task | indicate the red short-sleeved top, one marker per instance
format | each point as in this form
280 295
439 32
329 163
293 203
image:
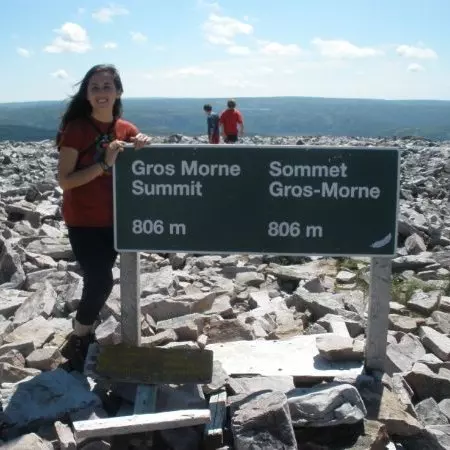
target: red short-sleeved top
230 119
91 205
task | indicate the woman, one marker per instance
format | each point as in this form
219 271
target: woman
91 136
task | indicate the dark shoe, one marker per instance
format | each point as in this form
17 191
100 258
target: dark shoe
75 351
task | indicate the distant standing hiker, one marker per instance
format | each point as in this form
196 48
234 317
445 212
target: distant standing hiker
212 122
91 136
231 120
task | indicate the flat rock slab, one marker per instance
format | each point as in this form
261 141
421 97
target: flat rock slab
38 330
436 342
53 247
10 301
298 357
307 271
28 441
44 399
441 434
340 348
328 404
262 422
258 384
424 302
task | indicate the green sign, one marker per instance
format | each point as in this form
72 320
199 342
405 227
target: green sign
285 200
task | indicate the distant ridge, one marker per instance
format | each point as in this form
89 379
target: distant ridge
275 116
24 133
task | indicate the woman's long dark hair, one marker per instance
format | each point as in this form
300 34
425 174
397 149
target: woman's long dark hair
79 105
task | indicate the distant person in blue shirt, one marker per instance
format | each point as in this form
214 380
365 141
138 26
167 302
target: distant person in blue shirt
212 121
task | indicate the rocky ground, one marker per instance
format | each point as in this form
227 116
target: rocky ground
257 297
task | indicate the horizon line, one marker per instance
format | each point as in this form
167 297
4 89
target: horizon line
209 98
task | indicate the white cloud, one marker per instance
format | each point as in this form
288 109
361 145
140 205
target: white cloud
409 51
234 72
61 74
238 50
257 70
340 49
110 45
221 30
72 38
189 71
414 67
106 14
239 83
238 76
136 36
277 49
214 6
23 52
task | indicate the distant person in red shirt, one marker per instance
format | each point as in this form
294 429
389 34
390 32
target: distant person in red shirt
92 134
232 123
212 122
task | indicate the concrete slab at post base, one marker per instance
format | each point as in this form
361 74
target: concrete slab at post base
297 357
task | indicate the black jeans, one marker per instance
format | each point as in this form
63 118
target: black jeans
94 250
231 138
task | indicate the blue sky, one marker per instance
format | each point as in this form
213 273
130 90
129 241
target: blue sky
393 49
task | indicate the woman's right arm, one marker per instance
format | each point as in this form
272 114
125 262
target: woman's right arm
68 177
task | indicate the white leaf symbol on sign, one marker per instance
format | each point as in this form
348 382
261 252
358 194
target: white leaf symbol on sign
382 242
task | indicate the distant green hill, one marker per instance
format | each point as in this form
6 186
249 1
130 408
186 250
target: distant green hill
276 116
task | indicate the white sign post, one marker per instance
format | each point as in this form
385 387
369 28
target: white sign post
130 295
378 313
